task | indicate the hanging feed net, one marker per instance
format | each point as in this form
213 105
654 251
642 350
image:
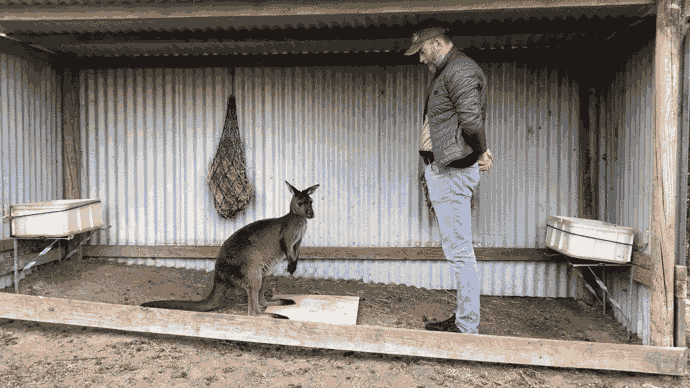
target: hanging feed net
228 174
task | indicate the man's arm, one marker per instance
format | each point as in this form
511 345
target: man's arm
466 91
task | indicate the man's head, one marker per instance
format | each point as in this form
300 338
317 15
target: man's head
432 45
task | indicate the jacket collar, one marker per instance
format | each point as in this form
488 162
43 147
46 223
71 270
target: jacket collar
452 54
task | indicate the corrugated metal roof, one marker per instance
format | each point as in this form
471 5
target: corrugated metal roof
33 22
92 30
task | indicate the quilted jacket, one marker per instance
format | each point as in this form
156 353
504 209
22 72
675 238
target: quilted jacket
456 109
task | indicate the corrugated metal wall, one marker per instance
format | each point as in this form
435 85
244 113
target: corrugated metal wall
626 141
148 139
150 136
352 130
497 278
635 304
30 144
626 122
532 128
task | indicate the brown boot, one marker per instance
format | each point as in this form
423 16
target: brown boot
447 325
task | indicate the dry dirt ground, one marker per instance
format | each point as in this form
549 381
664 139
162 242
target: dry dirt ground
51 355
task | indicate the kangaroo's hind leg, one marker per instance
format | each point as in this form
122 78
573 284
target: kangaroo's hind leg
263 302
254 289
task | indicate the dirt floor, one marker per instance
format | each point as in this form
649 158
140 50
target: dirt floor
50 355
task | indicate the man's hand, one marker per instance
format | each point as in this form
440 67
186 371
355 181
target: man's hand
486 160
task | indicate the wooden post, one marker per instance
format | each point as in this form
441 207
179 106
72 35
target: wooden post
16 269
71 139
71 150
589 154
681 290
585 194
663 244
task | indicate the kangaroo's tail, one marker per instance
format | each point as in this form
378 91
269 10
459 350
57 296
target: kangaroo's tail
210 302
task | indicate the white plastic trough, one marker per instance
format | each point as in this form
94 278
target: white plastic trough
590 239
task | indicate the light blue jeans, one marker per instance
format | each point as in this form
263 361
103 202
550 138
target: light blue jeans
450 191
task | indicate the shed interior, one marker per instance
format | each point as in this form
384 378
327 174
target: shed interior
586 73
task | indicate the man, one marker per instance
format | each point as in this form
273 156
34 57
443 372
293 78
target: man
453 147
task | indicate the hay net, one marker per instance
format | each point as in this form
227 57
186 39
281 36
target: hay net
230 187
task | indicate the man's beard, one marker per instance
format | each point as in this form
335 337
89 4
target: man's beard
432 68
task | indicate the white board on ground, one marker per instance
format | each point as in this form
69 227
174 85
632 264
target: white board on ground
333 309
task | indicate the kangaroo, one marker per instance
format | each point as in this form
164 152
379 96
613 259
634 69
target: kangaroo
249 253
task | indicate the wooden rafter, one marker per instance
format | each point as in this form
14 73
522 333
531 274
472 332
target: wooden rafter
282 9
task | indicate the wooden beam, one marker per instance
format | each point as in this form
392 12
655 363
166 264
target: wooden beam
25 51
264 10
664 233
189 252
6 244
178 47
681 291
71 144
642 260
642 273
644 268
7 264
643 276
291 43
369 339
588 170
158 47
338 253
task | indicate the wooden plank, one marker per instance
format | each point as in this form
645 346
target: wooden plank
171 47
664 231
7 264
587 157
77 44
681 276
681 291
642 260
339 253
369 339
170 251
24 51
332 309
595 161
6 245
170 12
71 148
644 265
643 275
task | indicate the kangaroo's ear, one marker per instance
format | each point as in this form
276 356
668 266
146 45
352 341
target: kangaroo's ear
292 188
311 190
